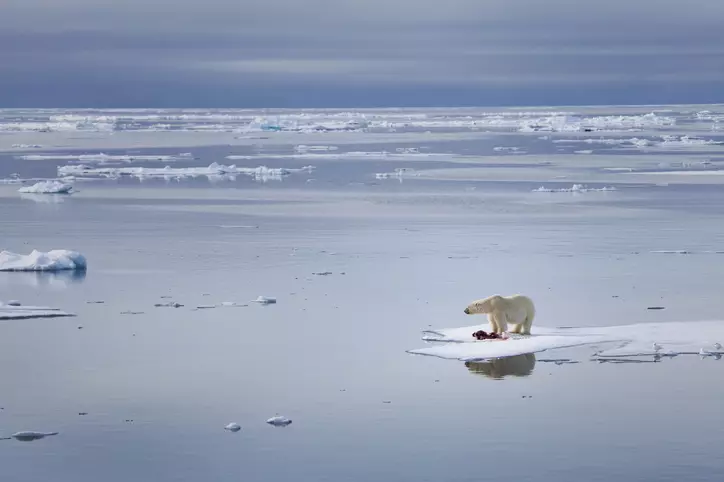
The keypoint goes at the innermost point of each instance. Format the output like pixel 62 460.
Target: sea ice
pixel 233 427
pixel 576 188
pixel 55 260
pixel 279 421
pixel 29 436
pixel 644 339
pixel 214 169
pixel 12 310
pixel 48 187
pixel 263 300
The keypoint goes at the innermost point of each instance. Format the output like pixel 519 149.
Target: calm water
pixel 159 386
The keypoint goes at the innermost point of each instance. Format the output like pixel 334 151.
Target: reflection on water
pixel 44 278
pixel 44 198
pixel 516 366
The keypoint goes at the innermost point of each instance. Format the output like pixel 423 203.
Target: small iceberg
pixel 265 300
pixel 233 427
pixel 29 436
pixel 55 260
pixel 279 421
pixel 47 187
pixel 13 310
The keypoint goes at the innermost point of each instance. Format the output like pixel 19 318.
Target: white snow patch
pixel 55 260
pixel 645 339
pixel 48 187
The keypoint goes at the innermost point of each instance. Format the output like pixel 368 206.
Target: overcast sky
pixel 362 53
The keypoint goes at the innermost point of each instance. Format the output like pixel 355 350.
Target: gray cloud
pixel 377 52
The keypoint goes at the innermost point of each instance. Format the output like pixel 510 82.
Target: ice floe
pixel 635 340
pixel 305 148
pixel 279 421
pixel 102 158
pixel 233 427
pixel 26 146
pixel 214 169
pixel 29 436
pixel 55 260
pixel 48 187
pixel 16 311
pixel 576 188
pixel 264 300
pixel 399 173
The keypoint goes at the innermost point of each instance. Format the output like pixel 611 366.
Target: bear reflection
pixel 516 366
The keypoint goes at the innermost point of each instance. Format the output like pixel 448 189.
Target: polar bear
pixel 517 310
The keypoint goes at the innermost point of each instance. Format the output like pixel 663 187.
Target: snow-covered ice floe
pixel 48 187
pixel 214 169
pixel 636 340
pixel 55 260
pixel 16 311
pixel 105 158
pixel 576 188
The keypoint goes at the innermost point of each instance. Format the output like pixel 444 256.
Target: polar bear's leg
pixel 493 323
pixel 517 328
pixel 500 323
pixel 526 325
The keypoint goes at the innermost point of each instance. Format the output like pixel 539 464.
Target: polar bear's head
pixel 485 305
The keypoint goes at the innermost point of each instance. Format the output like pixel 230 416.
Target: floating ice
pixel 232 304
pixel 587 151
pixel 214 169
pixel 576 188
pixel 30 436
pixel 27 146
pixel 13 310
pixel 103 158
pixel 55 260
pixel 279 421
pixel 514 150
pixel 303 148
pixel 233 427
pixel 265 300
pixel 645 339
pixel 399 173
pixel 48 187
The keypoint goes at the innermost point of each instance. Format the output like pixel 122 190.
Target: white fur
pixel 517 310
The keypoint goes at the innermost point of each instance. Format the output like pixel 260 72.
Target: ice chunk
pixel 48 187
pixel 265 300
pixel 27 146
pixel 304 148
pixel 279 421
pixel 233 427
pixel 645 339
pixel 29 436
pixel 55 260
pixel 15 311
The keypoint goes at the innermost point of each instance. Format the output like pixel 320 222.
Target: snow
pixel 47 187
pixel 12 310
pixel 576 188
pixel 258 173
pixel 55 260
pixel 644 339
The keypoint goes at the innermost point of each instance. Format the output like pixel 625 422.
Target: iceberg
pixel 635 340
pixel 15 311
pixel 47 187
pixel 55 260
